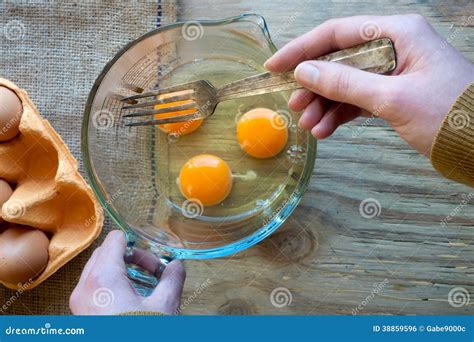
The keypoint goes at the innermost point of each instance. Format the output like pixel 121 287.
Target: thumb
pixel 166 297
pixel 343 83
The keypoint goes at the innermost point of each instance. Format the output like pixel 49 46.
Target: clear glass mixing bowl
pixel 133 170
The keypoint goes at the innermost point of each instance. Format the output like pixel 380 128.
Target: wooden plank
pixel 330 258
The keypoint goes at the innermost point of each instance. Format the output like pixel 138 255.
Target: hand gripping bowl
pixel 134 170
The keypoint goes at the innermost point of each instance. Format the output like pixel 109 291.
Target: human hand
pixel 430 74
pixel 104 288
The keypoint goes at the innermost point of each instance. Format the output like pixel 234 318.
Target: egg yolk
pixel 206 178
pixel 262 132
pixel 180 128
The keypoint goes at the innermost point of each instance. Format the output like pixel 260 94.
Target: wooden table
pixel 327 257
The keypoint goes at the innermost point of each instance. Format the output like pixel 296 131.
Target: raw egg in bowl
pixel 204 188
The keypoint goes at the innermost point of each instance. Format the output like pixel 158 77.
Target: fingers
pixel 89 265
pixel 332 35
pixel 342 83
pixel 114 239
pixel 336 116
pixel 313 113
pixel 112 250
pixel 166 297
pixel 109 269
pixel 300 99
pixel 104 287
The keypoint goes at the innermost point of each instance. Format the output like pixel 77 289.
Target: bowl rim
pixel 185 253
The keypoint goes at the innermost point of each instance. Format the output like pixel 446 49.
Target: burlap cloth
pixel 55 51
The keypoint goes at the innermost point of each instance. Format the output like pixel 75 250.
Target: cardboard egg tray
pixel 49 193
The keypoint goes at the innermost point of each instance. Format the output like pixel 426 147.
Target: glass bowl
pixel 134 170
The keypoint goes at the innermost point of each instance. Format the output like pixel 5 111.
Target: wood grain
pixel 330 258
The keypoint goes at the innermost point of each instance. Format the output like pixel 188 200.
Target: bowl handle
pixel 145 263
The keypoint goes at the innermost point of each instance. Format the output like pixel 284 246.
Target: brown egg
pixel 23 254
pixel 5 193
pixel 11 110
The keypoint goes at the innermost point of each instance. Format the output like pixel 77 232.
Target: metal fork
pixel 376 56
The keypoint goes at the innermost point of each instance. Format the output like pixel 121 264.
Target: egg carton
pixel 49 192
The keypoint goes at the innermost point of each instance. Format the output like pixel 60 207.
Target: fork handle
pixel 377 56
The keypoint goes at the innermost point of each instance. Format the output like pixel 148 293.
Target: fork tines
pixel 180 118
pixel 170 95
